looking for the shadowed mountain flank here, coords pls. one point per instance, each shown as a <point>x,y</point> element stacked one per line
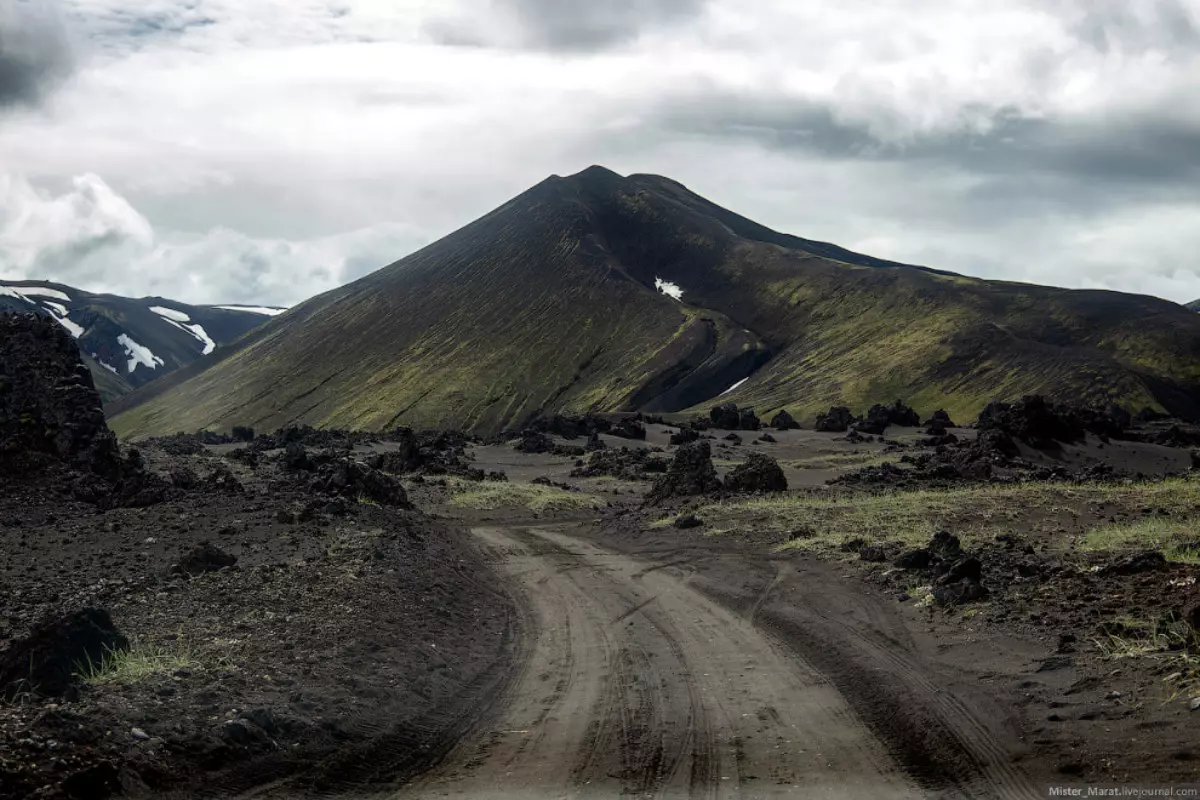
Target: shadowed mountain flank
<point>561,299</point>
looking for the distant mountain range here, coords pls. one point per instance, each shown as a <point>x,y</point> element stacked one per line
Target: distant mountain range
<point>603,292</point>
<point>129,342</point>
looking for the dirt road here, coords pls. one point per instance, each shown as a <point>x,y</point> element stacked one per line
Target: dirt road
<point>634,683</point>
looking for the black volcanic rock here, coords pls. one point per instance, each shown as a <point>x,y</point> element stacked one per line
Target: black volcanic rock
<point>758,473</point>
<point>837,420</point>
<point>691,473</point>
<point>783,421</point>
<point>1033,419</point>
<point>49,407</point>
<point>46,661</point>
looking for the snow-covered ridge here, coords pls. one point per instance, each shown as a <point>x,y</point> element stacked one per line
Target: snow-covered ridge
<point>57,310</point>
<point>178,319</point>
<point>25,292</point>
<point>138,354</point>
<point>264,310</point>
<point>171,313</point>
<point>669,289</point>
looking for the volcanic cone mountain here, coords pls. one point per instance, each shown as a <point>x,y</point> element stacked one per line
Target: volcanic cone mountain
<point>602,292</point>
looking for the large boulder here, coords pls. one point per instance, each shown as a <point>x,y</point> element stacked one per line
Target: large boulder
<point>880,417</point>
<point>783,421</point>
<point>46,662</point>
<point>837,420</point>
<point>758,473</point>
<point>942,419</point>
<point>629,428</point>
<point>691,473</point>
<point>685,435</point>
<point>50,410</point>
<point>726,417</point>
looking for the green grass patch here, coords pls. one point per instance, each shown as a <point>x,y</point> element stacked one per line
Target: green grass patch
<point>911,517</point>
<point>1177,538</point>
<point>134,664</point>
<point>490,496</point>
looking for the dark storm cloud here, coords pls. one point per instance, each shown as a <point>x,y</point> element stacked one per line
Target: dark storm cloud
<point>569,25</point>
<point>34,54</point>
<point>1069,159</point>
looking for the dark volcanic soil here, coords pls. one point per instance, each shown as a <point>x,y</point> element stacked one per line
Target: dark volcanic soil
<point>336,650</point>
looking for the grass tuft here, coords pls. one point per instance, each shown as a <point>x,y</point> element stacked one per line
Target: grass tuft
<point>1175,537</point>
<point>133,664</point>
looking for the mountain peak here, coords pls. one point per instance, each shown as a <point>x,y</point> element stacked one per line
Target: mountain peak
<point>555,302</point>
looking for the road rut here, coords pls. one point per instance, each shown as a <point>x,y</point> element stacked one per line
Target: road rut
<point>633,683</point>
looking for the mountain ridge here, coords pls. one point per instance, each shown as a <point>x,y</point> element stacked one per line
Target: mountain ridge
<point>129,342</point>
<point>550,302</point>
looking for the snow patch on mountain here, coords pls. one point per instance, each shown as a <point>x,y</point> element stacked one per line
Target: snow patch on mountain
<point>138,354</point>
<point>105,364</point>
<point>197,332</point>
<point>264,310</point>
<point>669,289</point>
<point>38,291</point>
<point>170,313</point>
<point>74,328</point>
<point>11,291</point>
<point>733,388</point>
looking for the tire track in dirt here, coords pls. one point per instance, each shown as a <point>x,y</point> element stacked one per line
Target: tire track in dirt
<point>678,697</point>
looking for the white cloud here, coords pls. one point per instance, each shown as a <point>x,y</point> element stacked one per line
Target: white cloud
<point>91,237</point>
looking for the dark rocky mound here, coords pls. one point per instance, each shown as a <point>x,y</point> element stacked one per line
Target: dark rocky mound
<point>1033,419</point>
<point>783,421</point>
<point>629,428</point>
<point>685,435</point>
<point>534,442</point>
<point>623,463</point>
<point>691,473</point>
<point>837,420</point>
<point>49,408</point>
<point>569,426</point>
<point>728,417</point>
<point>758,473</point>
<point>355,480</point>
<point>880,417</point>
<point>957,577</point>
<point>953,462</point>
<point>48,660</point>
<point>941,419</point>
<point>1173,436</point>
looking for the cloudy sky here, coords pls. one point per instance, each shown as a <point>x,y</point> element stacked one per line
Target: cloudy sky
<point>266,150</point>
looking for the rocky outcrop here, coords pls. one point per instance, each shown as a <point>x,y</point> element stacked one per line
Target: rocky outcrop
<point>783,421</point>
<point>691,473</point>
<point>758,473</point>
<point>49,408</point>
<point>837,420</point>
